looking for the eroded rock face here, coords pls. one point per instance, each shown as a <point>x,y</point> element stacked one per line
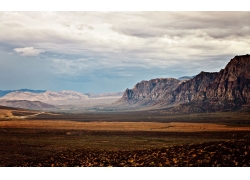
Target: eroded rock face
<point>193,89</point>
<point>167,92</point>
<point>232,83</point>
<point>228,89</point>
<point>147,92</point>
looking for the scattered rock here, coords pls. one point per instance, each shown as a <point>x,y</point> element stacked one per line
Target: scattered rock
<point>211,154</point>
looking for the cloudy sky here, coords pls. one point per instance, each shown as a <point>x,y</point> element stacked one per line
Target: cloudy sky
<point>111,51</point>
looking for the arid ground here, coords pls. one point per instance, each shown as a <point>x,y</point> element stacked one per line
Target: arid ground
<point>152,138</point>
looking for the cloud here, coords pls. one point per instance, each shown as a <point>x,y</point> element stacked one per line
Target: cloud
<point>28,51</point>
<point>70,67</point>
<point>149,35</point>
<point>83,26</point>
<point>125,44</point>
<point>181,24</point>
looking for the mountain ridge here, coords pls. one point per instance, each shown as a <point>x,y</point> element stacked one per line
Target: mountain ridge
<point>228,89</point>
<point>4,92</point>
<point>46,97</point>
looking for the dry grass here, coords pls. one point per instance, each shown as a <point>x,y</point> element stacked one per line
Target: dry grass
<point>123,139</point>
<point>120,126</point>
<point>6,113</point>
<point>10,114</point>
<point>133,121</point>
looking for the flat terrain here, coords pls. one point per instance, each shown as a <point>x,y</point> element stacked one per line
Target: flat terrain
<point>121,126</point>
<point>153,138</point>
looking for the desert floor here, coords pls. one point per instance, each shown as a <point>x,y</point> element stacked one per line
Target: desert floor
<point>31,138</point>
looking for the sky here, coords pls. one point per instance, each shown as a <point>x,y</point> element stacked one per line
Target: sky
<point>107,51</point>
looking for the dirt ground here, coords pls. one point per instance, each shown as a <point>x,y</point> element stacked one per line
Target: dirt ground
<point>125,139</point>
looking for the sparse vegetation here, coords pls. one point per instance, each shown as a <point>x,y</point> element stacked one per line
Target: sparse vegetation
<point>125,139</point>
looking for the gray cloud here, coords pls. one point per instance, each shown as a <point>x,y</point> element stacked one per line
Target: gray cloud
<point>116,46</point>
<point>128,31</point>
<point>157,24</point>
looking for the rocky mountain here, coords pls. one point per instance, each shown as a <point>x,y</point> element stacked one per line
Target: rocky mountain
<point>24,104</point>
<point>231,88</point>
<point>188,91</point>
<point>148,92</point>
<point>228,89</point>
<point>184,78</point>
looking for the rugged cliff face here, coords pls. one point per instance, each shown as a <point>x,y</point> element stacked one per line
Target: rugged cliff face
<point>147,92</point>
<point>166,92</point>
<point>231,88</point>
<point>232,83</point>
<point>188,91</point>
<point>228,89</point>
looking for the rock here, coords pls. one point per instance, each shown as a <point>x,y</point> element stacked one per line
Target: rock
<point>226,90</point>
<point>148,92</point>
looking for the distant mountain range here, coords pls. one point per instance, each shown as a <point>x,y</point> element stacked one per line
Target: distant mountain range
<point>89,94</point>
<point>4,92</point>
<point>226,90</point>
<point>184,78</point>
<point>39,99</point>
<point>42,99</point>
<point>93,95</point>
<point>46,96</point>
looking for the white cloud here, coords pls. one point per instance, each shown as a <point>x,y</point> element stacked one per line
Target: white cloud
<point>125,39</point>
<point>28,51</point>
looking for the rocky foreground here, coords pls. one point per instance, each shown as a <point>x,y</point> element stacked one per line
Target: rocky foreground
<point>212,154</point>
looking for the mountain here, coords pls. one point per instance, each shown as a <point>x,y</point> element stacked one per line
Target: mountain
<point>46,97</point>
<point>64,100</point>
<point>188,91</point>
<point>228,89</point>
<point>108,94</point>
<point>3,93</point>
<point>184,78</point>
<point>148,92</point>
<point>165,92</point>
<point>231,88</point>
<point>24,104</point>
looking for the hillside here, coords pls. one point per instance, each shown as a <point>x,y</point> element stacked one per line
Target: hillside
<point>35,105</point>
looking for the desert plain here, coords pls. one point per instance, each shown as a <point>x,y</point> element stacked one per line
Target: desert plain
<point>120,139</point>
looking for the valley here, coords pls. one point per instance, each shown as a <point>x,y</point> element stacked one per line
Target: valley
<point>135,138</point>
<point>201,120</point>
